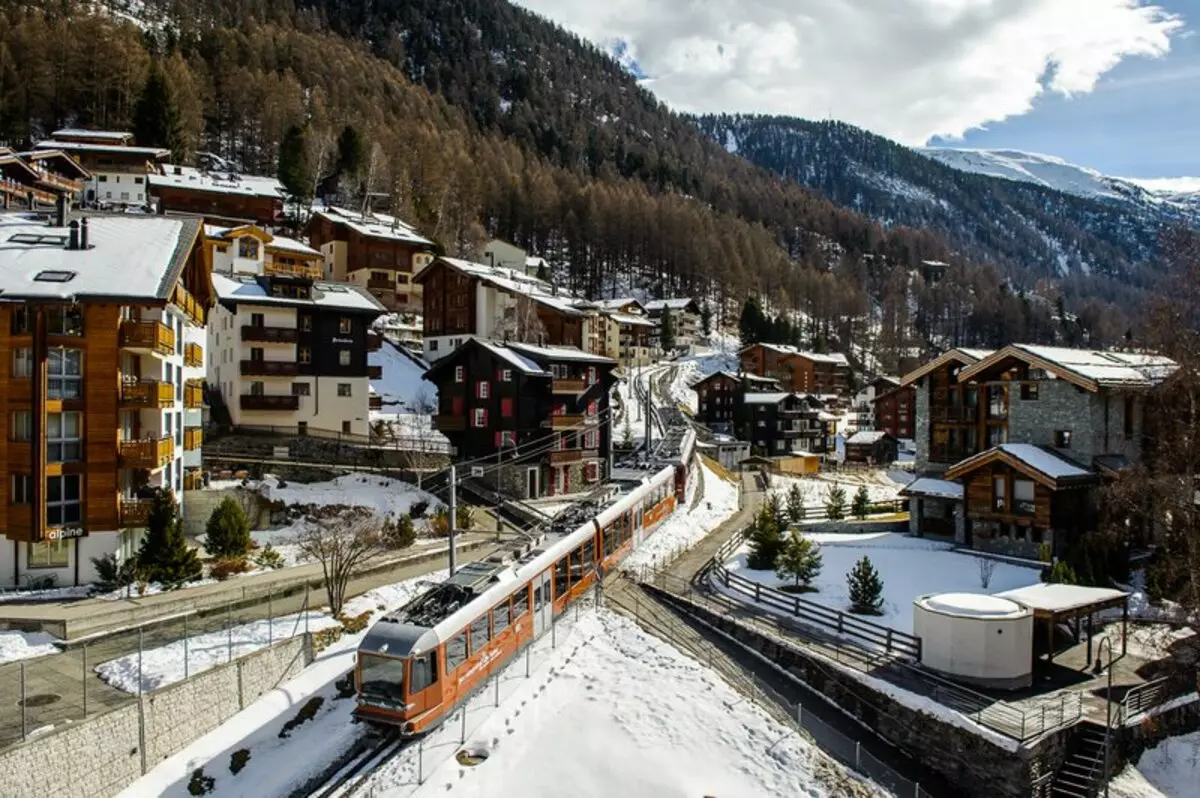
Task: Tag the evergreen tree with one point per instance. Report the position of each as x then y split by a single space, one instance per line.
666 331
165 556
156 117
706 318
799 560
766 541
866 588
795 503
543 272
350 152
399 533
1061 574
227 533
835 503
861 504
774 506
294 170
751 322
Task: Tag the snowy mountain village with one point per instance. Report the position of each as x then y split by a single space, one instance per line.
302 504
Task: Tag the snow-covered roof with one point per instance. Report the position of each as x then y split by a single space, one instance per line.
1056 598
569 353
836 358
935 488
972 605
866 437
532 262
512 356
108 135
1046 462
128 256
250 291
773 398
193 179
635 321
79 146
373 225
517 282
1095 368
615 304
676 303
292 245
271 240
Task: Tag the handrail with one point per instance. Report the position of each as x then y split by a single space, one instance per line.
1141 698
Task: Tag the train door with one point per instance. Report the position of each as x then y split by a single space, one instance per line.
637 526
543 607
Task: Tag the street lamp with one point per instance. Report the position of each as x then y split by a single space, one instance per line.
1107 704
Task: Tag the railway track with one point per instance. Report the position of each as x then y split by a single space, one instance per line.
357 766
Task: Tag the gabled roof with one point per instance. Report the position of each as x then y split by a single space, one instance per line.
154 153
618 303
188 178
677 303
962 355
373 225
748 377
630 320
559 353
1088 368
512 281
11 161
890 391
835 358
60 158
250 290
500 351
1043 465
68 133
867 437
934 488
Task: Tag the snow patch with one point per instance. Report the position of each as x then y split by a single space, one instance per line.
16 646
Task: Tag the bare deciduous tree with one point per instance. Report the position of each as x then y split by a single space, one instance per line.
342 542
986 567
521 323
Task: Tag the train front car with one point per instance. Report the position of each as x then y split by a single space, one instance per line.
396 664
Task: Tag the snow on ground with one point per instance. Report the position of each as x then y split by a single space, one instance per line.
1149 641
47 595
26 645
412 430
909 567
631 408
384 495
686 526
1169 769
880 486
584 730
401 387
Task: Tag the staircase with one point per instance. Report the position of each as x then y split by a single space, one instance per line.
1082 774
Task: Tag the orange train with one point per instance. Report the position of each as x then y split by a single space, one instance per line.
416 665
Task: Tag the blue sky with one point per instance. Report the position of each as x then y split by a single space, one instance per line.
1142 119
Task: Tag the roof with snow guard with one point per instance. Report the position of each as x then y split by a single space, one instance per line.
249 290
373 225
1088 368
190 178
1043 465
866 437
118 149
69 133
560 353
934 488
962 355
129 256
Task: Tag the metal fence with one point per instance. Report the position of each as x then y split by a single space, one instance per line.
115 669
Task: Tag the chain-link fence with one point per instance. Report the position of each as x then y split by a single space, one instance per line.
115 669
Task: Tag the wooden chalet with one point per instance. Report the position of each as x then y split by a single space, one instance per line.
896 412
872 447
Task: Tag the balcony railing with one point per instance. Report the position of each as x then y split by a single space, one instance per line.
270 368
193 438
60 182
375 372
135 512
569 386
270 335
152 336
258 401
22 191
147 453
147 393
189 305
566 456
193 394
564 422
306 271
445 422
193 355
382 285
193 479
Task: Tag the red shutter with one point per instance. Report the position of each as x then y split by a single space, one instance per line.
456 405
506 408
497 439
592 408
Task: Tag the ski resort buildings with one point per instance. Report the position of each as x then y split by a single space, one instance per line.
218 196
119 171
798 370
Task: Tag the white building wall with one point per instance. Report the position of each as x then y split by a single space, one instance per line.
329 409
115 188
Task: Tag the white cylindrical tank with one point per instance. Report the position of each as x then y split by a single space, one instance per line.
983 640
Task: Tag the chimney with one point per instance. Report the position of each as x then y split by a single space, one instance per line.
73 236
60 211
178 170
83 234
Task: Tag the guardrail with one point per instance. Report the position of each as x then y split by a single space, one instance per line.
1141 698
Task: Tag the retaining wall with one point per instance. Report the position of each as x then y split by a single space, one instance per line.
105 753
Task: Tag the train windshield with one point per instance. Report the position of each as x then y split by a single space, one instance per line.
382 678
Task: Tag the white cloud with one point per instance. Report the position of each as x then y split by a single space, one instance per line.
910 69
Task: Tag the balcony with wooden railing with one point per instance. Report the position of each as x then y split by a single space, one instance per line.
269 368
193 479
21 191
58 182
566 457
193 394
147 453
193 438
183 299
445 422
258 401
193 355
305 271
148 336
568 386
135 512
564 422
269 335
148 393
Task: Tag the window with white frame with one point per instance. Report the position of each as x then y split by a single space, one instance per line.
479 417
248 247
481 389
63 437
22 361
460 374
65 370
589 440
63 500
508 437
506 375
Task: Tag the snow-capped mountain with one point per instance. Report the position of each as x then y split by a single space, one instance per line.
1060 175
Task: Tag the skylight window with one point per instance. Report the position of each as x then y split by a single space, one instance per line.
53 276
38 238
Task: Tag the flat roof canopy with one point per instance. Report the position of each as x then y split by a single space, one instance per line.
1048 600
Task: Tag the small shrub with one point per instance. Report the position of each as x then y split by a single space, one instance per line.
227 533
835 503
306 713
466 518
238 760
268 557
399 533
200 784
1062 574
795 503
439 525
43 582
1043 551
861 504
226 567
355 624
324 638
800 561
114 574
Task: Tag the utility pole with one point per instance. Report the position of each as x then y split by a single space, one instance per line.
452 521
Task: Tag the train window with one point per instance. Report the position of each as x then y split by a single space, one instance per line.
382 677
424 672
577 566
521 602
500 615
609 534
560 577
456 651
479 634
589 556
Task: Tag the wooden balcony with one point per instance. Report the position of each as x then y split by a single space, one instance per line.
253 401
135 512
564 422
193 438
22 192
189 305
374 402
445 422
59 183
270 368
566 456
148 336
193 479
305 271
568 386
270 335
148 393
149 453
375 372
193 394
193 355
382 285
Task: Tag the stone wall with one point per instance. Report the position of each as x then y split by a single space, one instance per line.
922 425
104 754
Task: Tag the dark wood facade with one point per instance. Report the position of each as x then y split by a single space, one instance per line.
872 448
781 426
796 371
218 206
720 396
896 412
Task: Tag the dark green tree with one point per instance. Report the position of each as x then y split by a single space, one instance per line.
706 318
351 152
666 331
799 560
156 117
795 503
751 322
543 272
861 504
165 556
866 588
399 533
766 541
294 170
835 503
227 533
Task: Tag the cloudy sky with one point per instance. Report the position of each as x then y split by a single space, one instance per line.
1111 84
